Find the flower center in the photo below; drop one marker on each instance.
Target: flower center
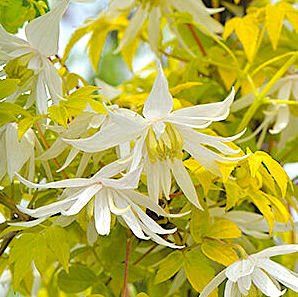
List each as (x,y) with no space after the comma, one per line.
(167,146)
(150,2)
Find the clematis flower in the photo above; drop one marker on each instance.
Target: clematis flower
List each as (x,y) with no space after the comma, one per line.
(258,270)
(42,36)
(250,223)
(162,135)
(277,116)
(154,11)
(15,153)
(116,196)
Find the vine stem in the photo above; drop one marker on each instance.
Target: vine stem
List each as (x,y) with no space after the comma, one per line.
(197,39)
(125,292)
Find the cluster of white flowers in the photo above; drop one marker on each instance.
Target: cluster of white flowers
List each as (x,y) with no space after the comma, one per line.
(153,143)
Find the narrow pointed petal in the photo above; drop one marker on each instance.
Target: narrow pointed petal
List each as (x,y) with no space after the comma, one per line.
(159,104)
(82,199)
(72,154)
(150,223)
(133,28)
(184,182)
(278,250)
(239,269)
(201,115)
(48,210)
(54,151)
(43,32)
(66,183)
(130,218)
(154,32)
(280,273)
(29,224)
(160,240)
(213,284)
(231,289)
(111,199)
(112,169)
(244,284)
(129,181)
(153,181)
(263,282)
(282,119)
(102,215)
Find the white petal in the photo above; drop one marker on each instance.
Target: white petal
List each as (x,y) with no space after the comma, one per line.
(18,151)
(160,240)
(112,169)
(72,154)
(244,284)
(42,95)
(145,201)
(109,92)
(278,250)
(184,182)
(240,269)
(133,28)
(102,215)
(215,282)
(153,181)
(29,224)
(54,151)
(48,210)
(160,102)
(165,178)
(66,183)
(231,289)
(138,151)
(129,181)
(282,119)
(111,198)
(82,199)
(154,31)
(201,115)
(130,219)
(265,284)
(284,92)
(108,137)
(150,223)
(279,272)
(198,11)
(43,32)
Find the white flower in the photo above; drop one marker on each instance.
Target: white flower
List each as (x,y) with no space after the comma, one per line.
(42,36)
(259,270)
(251,223)
(154,11)
(276,115)
(5,281)
(16,152)
(111,196)
(161,137)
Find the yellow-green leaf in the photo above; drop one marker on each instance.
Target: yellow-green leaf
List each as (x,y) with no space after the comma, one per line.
(169,266)
(223,229)
(219,252)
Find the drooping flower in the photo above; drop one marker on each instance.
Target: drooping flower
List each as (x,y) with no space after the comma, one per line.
(116,196)
(276,116)
(161,137)
(42,36)
(155,11)
(258,270)
(16,152)
(251,223)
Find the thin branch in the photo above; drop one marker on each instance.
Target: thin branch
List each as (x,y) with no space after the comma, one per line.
(145,255)
(125,292)
(197,39)
(6,241)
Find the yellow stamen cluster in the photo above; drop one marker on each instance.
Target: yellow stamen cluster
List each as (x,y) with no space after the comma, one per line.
(167,146)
